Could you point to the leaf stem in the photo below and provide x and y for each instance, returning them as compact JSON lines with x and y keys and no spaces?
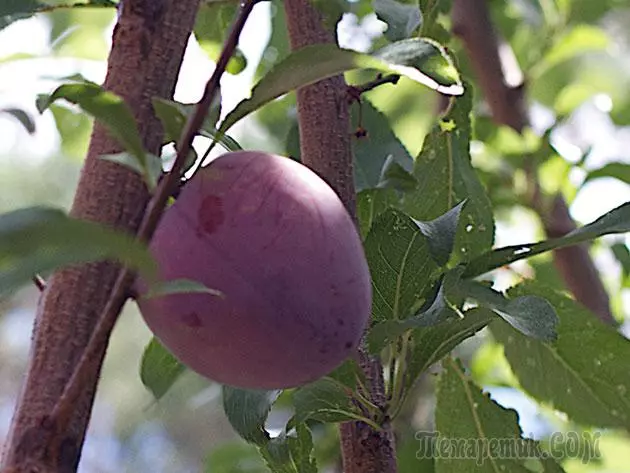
{"x":64,"y":407}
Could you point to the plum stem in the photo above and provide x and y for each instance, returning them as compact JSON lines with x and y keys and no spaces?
{"x":64,"y":407}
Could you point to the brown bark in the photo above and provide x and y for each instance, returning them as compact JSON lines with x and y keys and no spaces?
{"x":148,"y":46}
{"x":326,"y":147}
{"x":471,"y":22}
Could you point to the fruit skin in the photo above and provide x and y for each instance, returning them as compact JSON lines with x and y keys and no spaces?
{"x":278,"y":242}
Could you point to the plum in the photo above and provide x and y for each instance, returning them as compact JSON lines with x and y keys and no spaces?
{"x":276,"y":240}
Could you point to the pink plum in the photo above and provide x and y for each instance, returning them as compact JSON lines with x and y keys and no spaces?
{"x":276,"y":240}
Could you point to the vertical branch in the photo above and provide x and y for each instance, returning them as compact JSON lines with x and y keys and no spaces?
{"x":471,"y":22}
{"x":148,"y":46}
{"x":325,"y":147}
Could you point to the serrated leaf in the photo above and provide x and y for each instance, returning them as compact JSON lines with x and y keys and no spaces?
{"x":150,"y":174}
{"x":41,"y":239}
{"x":615,"y":221}
{"x":247,"y":411}
{"x":486,"y":436}
{"x":108,"y":109}
{"x":586,"y":366}
{"x":159,"y":369}
{"x":316,"y":62}
{"x":212,"y":25}
{"x":347,"y":373}
{"x":531,"y":315}
{"x":301,"y":448}
{"x":373,"y":151}
{"x":445,"y":177}
{"x":325,"y":400}
{"x":371,"y":203}
{"x":431,"y":344}
{"x":401,"y":266}
{"x":179,"y":286}
{"x":21,"y":116}
{"x":402,"y":18}
{"x":440,"y":233}
{"x":433,"y":313}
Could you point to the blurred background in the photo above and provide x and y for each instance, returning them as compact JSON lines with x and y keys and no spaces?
{"x":579,"y":83}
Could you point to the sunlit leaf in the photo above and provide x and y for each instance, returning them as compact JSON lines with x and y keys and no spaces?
{"x":313,"y":63}
{"x":485,"y":436}
{"x":247,"y":411}
{"x":159,"y":369}
{"x":615,"y":221}
{"x":40,"y":240}
{"x":402,"y":18}
{"x":584,"y":373}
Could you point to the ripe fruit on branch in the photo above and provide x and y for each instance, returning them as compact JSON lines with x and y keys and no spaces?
{"x":276,"y":240}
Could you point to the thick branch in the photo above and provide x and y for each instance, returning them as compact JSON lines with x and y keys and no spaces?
{"x":471,"y":22}
{"x":325,"y":146}
{"x":148,"y":46}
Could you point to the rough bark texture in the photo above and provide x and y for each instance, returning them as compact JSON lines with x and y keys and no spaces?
{"x":471,"y":22}
{"x":148,"y":45}
{"x":325,"y":146}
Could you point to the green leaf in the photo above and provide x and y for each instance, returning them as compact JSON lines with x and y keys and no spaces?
{"x":314,"y":63}
{"x":584,"y":373}
{"x":531,"y":315}
{"x":74,"y":129}
{"x":394,"y":176}
{"x":371,"y":203}
{"x":40,"y":240}
{"x":152,"y":172}
{"x":159,"y":369}
{"x":401,"y":266}
{"x":108,"y":109}
{"x":14,"y":10}
{"x":619,"y":171}
{"x":325,"y":400}
{"x":179,"y":286}
{"x":402,"y":18}
{"x":615,"y":221}
{"x":437,"y":311}
{"x":212,"y":25}
{"x":483,"y":436}
{"x":20,"y":115}
{"x":622,"y":255}
{"x":373,"y":152}
{"x":247,"y":411}
{"x":174,"y":116}
{"x":445,"y":177}
{"x":301,"y":448}
{"x":431,"y":344}
{"x":441,"y":232}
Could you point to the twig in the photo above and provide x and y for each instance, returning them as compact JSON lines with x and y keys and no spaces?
{"x":355,"y":91}
{"x":62,"y":411}
{"x":39,"y":282}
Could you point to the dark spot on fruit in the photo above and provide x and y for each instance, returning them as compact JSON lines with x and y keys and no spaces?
{"x":211,"y":214}
{"x":191,"y":319}
{"x":348,"y":345}
{"x":340,"y":322}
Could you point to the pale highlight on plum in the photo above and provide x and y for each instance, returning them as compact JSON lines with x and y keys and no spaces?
{"x":276,"y":240}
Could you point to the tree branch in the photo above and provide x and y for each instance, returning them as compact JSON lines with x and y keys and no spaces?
{"x":471,"y":22}
{"x":325,"y":147}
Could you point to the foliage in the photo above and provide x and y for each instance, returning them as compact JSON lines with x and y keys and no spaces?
{"x":427,"y":219}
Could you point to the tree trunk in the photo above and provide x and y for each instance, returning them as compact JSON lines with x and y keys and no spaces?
{"x":325,"y":147}
{"x":148,"y":46}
